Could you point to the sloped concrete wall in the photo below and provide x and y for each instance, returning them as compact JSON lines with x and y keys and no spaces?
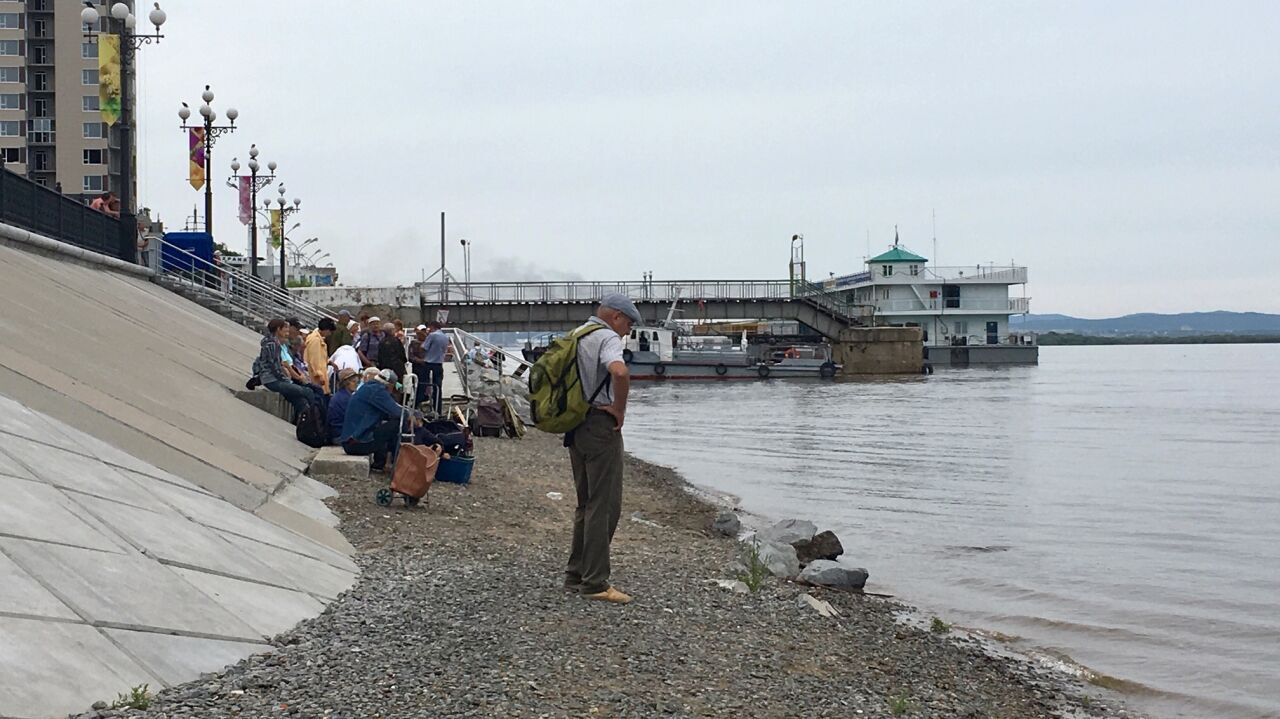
{"x":115,"y":573}
{"x":150,"y":372}
{"x":152,"y":525}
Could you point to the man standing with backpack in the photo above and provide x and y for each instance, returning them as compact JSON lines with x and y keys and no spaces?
{"x":595,"y":446}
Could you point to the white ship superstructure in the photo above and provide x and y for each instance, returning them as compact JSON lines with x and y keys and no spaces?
{"x":963,"y":311}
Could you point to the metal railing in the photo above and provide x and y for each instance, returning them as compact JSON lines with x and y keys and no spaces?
{"x":1010,"y":274}
{"x":38,"y":209}
{"x":1012,"y":305}
{"x":586,"y":292}
{"x":658,"y":292}
{"x":253,"y":297}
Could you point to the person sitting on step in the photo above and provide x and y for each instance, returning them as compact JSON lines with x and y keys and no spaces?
{"x":271,"y":371}
{"x":348,"y":380}
{"x":372,"y":422}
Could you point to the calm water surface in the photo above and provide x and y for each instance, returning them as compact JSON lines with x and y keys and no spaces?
{"x":1119,"y":505}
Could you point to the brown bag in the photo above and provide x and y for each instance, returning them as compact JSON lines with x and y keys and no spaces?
{"x":415,"y":469}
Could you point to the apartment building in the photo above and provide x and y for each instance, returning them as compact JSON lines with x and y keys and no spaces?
{"x":50,"y":127}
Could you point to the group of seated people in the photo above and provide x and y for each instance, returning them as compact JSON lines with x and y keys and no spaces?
{"x":358,"y":399}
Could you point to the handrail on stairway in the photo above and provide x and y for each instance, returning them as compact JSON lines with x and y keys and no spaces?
{"x":250,"y":295}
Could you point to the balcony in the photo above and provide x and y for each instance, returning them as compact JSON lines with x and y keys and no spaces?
{"x":937,"y":305}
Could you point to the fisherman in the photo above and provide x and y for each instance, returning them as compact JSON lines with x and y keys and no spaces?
{"x":595,"y":449}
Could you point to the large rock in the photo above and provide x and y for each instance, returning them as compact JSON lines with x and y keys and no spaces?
{"x":823,"y":545}
{"x":728,"y":524}
{"x":778,"y":558}
{"x":790,"y":531}
{"x":834,"y":574}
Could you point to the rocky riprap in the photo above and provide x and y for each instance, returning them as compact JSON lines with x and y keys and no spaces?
{"x":460,"y":612}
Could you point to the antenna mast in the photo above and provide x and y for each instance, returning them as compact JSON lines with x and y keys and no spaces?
{"x":934,"y":213}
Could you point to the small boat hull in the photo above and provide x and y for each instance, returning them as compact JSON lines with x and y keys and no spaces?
{"x":662,"y":371}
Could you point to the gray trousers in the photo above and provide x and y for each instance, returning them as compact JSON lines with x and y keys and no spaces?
{"x":596,"y":455}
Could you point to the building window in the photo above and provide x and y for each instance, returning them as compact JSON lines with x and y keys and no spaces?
{"x":40,"y":107}
{"x":11,"y":154}
{"x":961,"y":328}
{"x":93,"y":157}
{"x":10,"y":101}
{"x":88,"y":77}
{"x":93,"y":131}
{"x":884,"y":293}
{"x":886,"y":270}
{"x":10,"y":74}
{"x":40,"y":55}
{"x":40,"y":130}
{"x":40,"y":28}
{"x":10,"y":128}
{"x":40,"y":81}
{"x":10,"y":47}
{"x":94,"y":183}
{"x":90,"y":103}
{"x":915,"y":270}
{"x":88,"y":50}
{"x":10,"y":21}
{"x":40,"y":161}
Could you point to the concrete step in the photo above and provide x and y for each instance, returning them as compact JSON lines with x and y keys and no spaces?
{"x":333,"y":462}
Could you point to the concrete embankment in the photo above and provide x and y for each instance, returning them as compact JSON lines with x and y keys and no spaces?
{"x":460,"y":613}
{"x":153,"y":526}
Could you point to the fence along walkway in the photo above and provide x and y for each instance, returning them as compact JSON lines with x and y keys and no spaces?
{"x":47,"y":212}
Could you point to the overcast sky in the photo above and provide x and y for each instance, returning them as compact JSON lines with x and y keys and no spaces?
{"x":1128,"y":153}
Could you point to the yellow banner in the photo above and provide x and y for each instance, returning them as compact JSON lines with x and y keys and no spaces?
{"x":109,"y":85}
{"x":277,"y":228}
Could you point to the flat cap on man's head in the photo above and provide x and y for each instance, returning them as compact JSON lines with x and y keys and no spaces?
{"x":623,"y":304}
{"x":344,"y":313}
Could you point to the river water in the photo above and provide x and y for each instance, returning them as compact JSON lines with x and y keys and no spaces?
{"x":1119,"y":506}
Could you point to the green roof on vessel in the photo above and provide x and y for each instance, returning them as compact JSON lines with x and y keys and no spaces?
{"x":897,"y":254}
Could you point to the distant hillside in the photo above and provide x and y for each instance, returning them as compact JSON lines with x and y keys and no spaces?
{"x":1146,"y":323}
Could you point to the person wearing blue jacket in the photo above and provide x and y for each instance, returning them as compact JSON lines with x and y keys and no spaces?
{"x":372,"y":422}
{"x":337,"y":414}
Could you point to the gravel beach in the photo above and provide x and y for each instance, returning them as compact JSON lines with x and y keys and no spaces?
{"x":460,"y":613}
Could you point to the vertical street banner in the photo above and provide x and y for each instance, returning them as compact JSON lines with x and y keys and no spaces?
{"x":110,"y":92}
{"x":246,"y":199}
{"x":277,"y":228}
{"x":196,"y":153}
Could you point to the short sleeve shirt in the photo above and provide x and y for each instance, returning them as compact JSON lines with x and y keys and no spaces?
{"x":596,"y":351}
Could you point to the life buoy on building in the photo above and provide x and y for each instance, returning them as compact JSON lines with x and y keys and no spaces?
{"x":827,"y":370}
{"x":660,"y":369}
{"x":627,"y":356}
{"x":721,"y":370}
{"x":763,"y":371}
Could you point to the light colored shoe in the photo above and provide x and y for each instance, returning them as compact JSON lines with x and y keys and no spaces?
{"x":610,"y":595}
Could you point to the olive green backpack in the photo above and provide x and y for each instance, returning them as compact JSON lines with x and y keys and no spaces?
{"x":556,"y":401}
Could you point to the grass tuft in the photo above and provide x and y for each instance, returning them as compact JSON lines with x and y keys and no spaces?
{"x":937,"y":626}
{"x":138,"y":697}
{"x":756,"y":573}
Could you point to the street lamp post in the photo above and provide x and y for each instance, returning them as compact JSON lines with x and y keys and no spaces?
{"x":130,"y":43}
{"x":256,"y":182}
{"x":466,"y":264}
{"x":211,"y":132}
{"x":285,"y":211}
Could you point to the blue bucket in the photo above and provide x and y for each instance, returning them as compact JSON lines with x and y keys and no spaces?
{"x":456,"y":470}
